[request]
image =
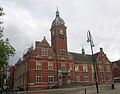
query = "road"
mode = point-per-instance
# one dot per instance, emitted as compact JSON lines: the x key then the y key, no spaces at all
{"x":80,"y":90}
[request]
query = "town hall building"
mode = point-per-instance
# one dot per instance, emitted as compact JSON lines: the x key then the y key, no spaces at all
{"x":48,"y":65}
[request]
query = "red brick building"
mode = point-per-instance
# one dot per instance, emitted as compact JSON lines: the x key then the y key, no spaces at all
{"x":116,"y":71}
{"x":11,"y":79}
{"x":46,"y":65}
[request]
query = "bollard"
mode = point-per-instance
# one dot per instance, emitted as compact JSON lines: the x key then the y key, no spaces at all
{"x":85,"y":90}
{"x":113,"y":86}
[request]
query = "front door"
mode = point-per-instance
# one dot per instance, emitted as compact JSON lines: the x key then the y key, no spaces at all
{"x":64,"y":78}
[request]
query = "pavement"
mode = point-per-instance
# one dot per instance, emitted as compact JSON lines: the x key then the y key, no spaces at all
{"x":103,"y":89}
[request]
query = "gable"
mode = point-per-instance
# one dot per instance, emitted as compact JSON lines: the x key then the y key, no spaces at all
{"x":101,"y":57}
{"x":43,"y":43}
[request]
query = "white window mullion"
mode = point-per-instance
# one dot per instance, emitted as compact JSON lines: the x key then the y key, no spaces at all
{"x":50,"y":65}
{"x":50,"y":79}
{"x":38,"y":78}
{"x":44,"y":52}
{"x":38,"y":65}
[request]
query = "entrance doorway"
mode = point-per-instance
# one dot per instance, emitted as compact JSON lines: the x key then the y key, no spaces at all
{"x":64,"y":78}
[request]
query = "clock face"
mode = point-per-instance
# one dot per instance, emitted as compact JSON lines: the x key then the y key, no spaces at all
{"x":61,"y":32}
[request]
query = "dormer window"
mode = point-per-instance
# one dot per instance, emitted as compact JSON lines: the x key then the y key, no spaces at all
{"x":44,"y":52}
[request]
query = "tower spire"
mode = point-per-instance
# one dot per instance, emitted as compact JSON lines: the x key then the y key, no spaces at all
{"x":57,"y":12}
{"x":57,"y":7}
{"x":58,"y":20}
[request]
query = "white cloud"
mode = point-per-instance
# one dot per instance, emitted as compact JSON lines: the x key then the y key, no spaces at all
{"x":29,"y":20}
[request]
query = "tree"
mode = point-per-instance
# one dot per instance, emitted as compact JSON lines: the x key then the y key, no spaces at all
{"x":6,"y":50}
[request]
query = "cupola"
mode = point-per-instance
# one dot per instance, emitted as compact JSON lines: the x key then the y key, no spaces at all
{"x":58,"y":20}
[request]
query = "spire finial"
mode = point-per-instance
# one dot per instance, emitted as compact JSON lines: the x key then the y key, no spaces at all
{"x":83,"y":50}
{"x":57,"y":7}
{"x":57,"y":12}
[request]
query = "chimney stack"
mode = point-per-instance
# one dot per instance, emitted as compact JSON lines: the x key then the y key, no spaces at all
{"x":101,"y":50}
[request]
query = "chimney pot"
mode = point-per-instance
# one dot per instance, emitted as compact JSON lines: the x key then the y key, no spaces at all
{"x":101,"y":49}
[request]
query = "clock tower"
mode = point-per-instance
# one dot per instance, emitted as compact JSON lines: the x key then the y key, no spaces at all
{"x":59,"y":36}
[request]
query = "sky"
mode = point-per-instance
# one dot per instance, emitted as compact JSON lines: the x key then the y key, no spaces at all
{"x":27,"y":21}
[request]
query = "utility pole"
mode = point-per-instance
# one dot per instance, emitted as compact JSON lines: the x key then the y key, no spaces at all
{"x":90,"y":39}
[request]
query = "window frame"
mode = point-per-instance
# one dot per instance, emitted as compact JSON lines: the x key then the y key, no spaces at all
{"x":50,"y":65}
{"x":63,"y":66}
{"x":76,"y":67}
{"x":77,"y":77}
{"x":38,"y":78}
{"x":71,"y":67}
{"x":102,"y":75}
{"x":38,"y":65}
{"x":101,"y":67}
{"x":108,"y":69}
{"x":85,"y":67}
{"x":86,"y":76}
{"x":49,"y":79}
{"x":44,"y":52}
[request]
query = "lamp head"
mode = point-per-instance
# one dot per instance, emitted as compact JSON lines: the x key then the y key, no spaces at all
{"x":88,"y":40}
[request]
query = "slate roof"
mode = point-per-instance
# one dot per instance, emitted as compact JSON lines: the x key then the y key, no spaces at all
{"x":116,"y":62}
{"x":83,"y":57}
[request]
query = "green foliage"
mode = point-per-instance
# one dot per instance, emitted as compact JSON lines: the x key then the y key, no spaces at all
{"x":6,"y":50}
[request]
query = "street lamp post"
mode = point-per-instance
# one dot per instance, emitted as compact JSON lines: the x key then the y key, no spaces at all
{"x":90,"y":39}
